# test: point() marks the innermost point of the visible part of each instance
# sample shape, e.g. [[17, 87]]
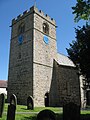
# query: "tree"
[[79, 51], [82, 10]]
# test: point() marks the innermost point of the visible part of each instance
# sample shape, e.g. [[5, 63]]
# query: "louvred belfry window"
[[46, 28], [21, 28]]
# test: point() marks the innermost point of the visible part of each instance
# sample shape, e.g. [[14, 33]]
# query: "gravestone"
[[2, 102], [11, 112], [71, 111], [13, 99], [46, 115], [30, 105], [12, 108]]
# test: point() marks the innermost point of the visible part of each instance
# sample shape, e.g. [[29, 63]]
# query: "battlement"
[[33, 9]]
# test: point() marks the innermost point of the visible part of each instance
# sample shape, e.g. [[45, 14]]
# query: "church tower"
[[32, 50]]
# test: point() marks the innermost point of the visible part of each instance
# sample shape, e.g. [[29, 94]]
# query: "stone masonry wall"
[[31, 58], [42, 80], [20, 74], [32, 69], [65, 87], [43, 55], [83, 95]]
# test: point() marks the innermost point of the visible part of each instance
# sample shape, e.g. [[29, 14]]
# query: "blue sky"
[[60, 10]]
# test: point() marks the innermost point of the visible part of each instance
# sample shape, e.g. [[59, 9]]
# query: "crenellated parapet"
[[33, 9]]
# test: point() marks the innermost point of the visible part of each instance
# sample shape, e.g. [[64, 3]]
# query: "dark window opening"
[[88, 97], [47, 99], [46, 28], [21, 29]]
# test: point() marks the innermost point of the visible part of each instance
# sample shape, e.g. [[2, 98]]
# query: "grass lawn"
[[22, 108], [23, 114]]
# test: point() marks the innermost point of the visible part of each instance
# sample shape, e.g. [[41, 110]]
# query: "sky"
[[60, 10]]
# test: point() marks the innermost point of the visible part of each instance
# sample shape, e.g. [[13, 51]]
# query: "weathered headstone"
[[11, 112], [71, 111], [30, 103], [2, 102], [46, 115], [12, 108], [13, 100]]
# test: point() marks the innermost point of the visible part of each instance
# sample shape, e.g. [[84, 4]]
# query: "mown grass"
[[23, 114], [22, 108], [21, 117]]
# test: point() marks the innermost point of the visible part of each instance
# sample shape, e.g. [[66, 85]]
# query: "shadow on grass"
[[59, 116], [30, 118], [24, 108], [82, 117], [85, 117]]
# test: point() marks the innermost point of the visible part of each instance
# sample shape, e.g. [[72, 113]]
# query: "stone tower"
[[32, 50]]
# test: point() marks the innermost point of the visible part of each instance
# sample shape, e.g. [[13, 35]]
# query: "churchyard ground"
[[23, 114]]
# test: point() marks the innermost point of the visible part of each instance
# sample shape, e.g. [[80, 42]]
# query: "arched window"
[[46, 28], [21, 28]]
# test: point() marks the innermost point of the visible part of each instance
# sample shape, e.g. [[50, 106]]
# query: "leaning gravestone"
[[46, 115], [30, 105], [12, 108], [71, 111], [2, 102]]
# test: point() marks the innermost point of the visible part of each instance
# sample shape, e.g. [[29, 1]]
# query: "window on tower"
[[21, 28], [46, 28]]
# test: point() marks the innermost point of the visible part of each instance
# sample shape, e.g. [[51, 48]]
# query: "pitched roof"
[[64, 60], [3, 84]]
